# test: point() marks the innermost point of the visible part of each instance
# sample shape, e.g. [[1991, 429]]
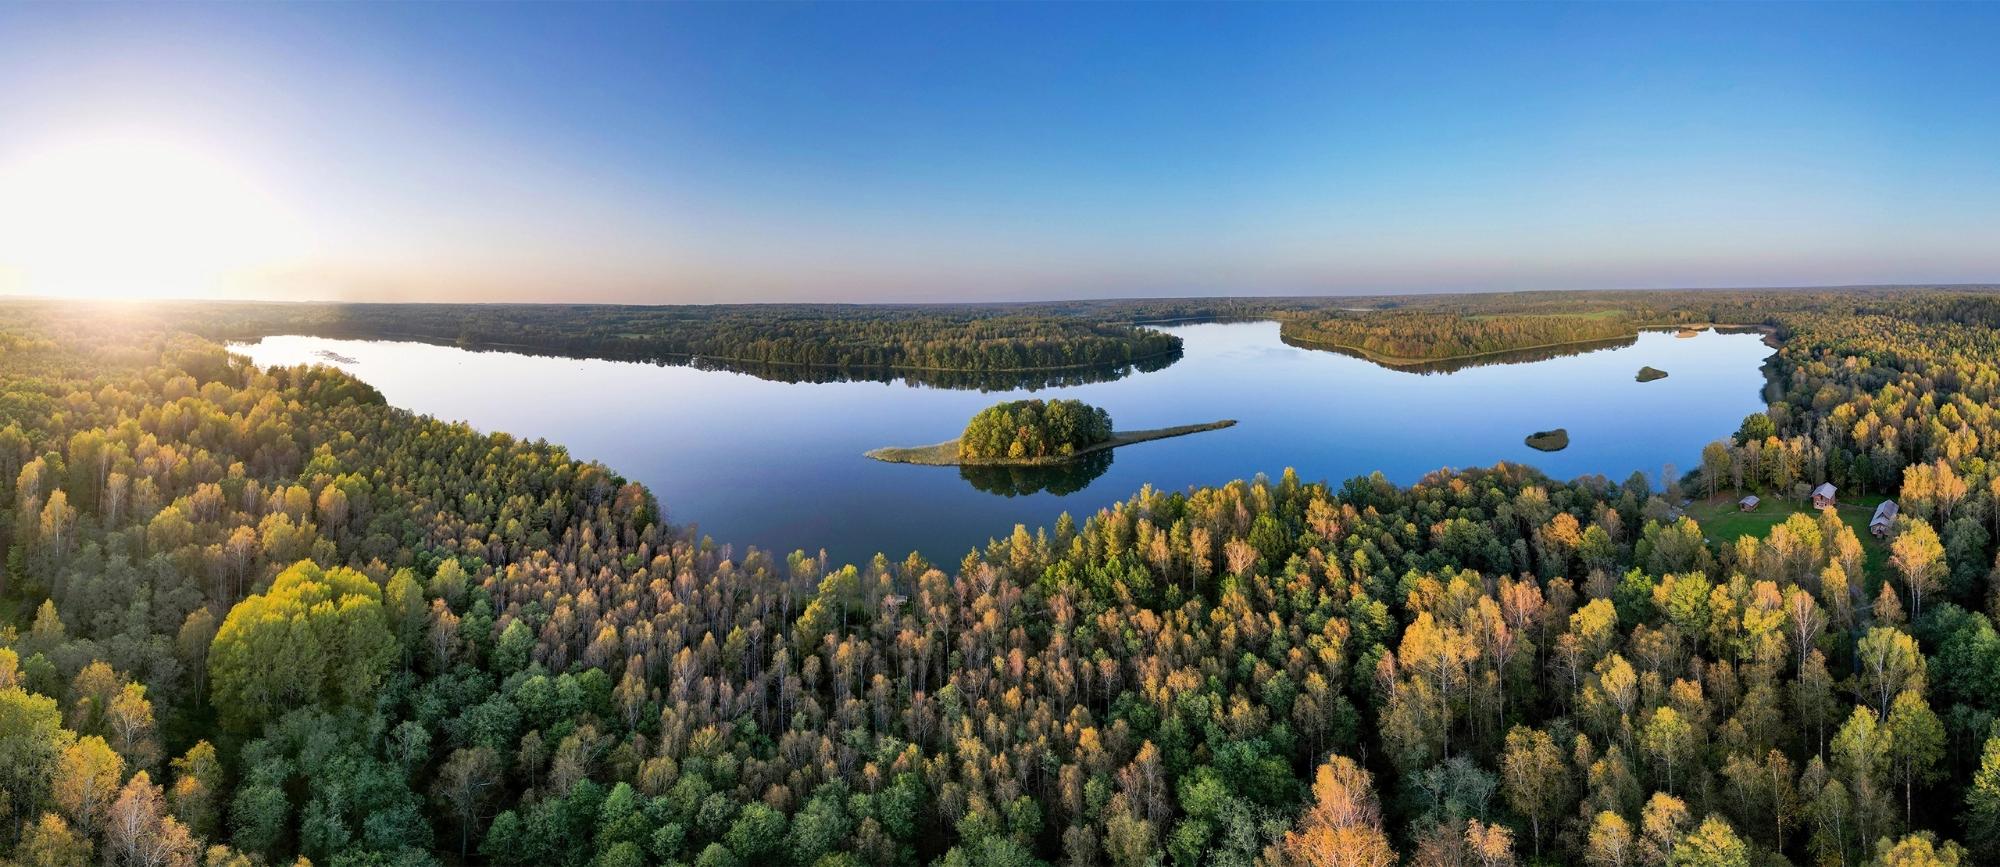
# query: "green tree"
[[316, 637], [717, 855], [1890, 663], [464, 786], [32, 742], [195, 798], [1676, 547], [404, 606], [1670, 741], [822, 826], [757, 835], [1536, 778], [1916, 744], [990, 851], [515, 647], [1982, 800], [1033, 429], [1861, 755], [1715, 461], [191, 645], [1756, 427]]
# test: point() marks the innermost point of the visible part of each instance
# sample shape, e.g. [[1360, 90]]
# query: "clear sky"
[[884, 152]]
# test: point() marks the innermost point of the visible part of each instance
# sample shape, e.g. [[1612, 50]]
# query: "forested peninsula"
[[260, 615], [954, 346], [1430, 332], [1409, 337]]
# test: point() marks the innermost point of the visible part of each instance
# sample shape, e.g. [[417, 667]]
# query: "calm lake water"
[[779, 465]]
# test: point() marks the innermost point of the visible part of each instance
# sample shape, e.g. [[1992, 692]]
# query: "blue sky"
[[861, 152]]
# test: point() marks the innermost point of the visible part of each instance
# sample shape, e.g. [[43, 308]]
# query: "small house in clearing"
[[1823, 496], [1885, 518], [1749, 503]]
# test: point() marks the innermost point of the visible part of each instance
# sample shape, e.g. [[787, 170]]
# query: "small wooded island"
[[1650, 373], [1033, 433], [1549, 440]]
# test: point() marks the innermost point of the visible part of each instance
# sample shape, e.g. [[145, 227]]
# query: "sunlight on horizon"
[[137, 215]]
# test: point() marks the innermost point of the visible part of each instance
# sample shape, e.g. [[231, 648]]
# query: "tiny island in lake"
[[1649, 373], [1033, 433], [1549, 440]]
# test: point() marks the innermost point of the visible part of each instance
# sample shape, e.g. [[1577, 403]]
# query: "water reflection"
[[974, 380], [1060, 479], [780, 465], [968, 380]]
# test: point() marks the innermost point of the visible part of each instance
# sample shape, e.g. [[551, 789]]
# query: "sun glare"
[[135, 217]]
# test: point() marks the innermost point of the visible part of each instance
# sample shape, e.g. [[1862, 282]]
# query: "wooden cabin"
[[1748, 504], [1885, 518], [1823, 496]]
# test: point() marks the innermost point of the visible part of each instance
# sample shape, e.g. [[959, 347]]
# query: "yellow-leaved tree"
[[1342, 827], [316, 637]]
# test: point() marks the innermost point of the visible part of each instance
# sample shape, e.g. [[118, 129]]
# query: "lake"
[[779, 465]]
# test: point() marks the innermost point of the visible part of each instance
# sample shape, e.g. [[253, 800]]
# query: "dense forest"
[[262, 616], [1404, 336], [992, 347], [1020, 429]]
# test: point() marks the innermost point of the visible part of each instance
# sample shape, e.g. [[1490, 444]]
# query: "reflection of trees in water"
[[988, 380], [1058, 479], [979, 380], [1512, 356], [948, 346], [970, 380]]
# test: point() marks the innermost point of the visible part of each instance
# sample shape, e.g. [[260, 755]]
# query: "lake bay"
[[780, 465]]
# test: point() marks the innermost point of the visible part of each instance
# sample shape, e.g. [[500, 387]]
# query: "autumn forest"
[[261, 617]]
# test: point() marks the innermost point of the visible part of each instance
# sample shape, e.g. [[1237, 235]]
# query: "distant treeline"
[[987, 346], [1663, 307], [1407, 331], [1422, 335]]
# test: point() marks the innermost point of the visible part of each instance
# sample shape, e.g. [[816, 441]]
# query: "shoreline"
[[689, 359], [945, 454], [1399, 362]]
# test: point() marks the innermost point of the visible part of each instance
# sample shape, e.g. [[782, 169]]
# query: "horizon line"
[[7, 297]]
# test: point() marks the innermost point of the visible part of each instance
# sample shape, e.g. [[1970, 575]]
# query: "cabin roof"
[[1825, 489], [1885, 512], [1749, 500]]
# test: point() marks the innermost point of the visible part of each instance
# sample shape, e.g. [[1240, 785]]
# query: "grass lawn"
[[1723, 523]]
